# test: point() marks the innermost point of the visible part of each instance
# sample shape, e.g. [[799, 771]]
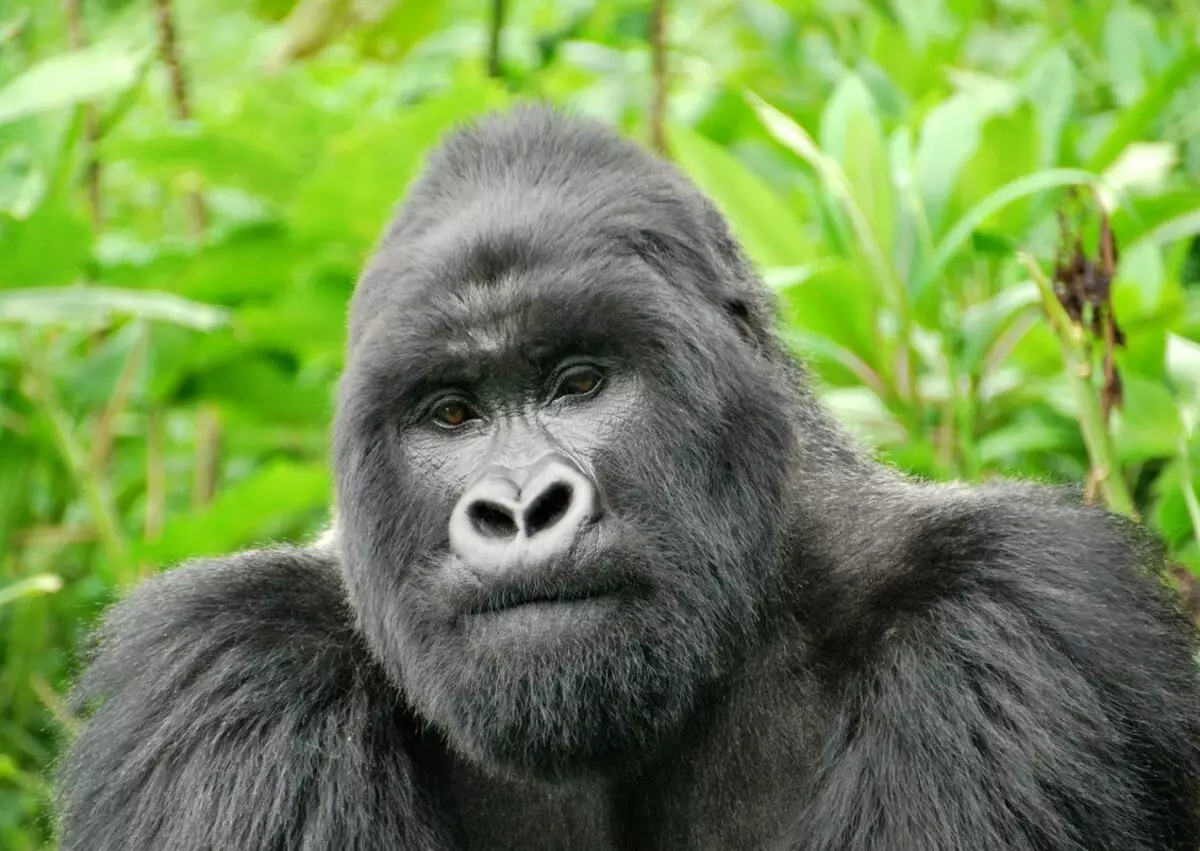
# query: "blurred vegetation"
[[188, 188]]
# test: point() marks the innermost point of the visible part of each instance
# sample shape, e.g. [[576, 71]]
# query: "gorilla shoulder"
[[236, 707]]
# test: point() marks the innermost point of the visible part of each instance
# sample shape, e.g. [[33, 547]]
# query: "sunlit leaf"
[[1148, 424], [852, 135], [42, 583], [957, 236], [69, 78], [89, 306], [1134, 123], [243, 514], [1050, 86], [950, 136], [771, 232]]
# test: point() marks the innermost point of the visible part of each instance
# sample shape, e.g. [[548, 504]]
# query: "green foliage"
[[166, 376]]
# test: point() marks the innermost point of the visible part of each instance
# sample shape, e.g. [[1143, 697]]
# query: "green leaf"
[[1129, 38], [220, 158], [48, 247], [984, 322], [958, 235], [1027, 435], [97, 306], [1050, 87], [243, 514], [394, 27], [1179, 227], [836, 304], [355, 188], [310, 27], [951, 134], [77, 77], [852, 135], [42, 583], [1140, 215], [791, 135], [1136, 122], [1007, 152], [22, 182], [1148, 425], [1183, 366], [771, 232]]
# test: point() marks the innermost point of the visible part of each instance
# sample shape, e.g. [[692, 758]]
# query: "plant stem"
[[91, 486], [496, 31], [1101, 454], [168, 46], [77, 38], [658, 60]]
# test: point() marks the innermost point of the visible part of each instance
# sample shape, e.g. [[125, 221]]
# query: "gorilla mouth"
[[516, 595]]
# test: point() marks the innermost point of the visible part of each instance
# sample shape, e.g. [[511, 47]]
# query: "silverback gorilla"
[[606, 576]]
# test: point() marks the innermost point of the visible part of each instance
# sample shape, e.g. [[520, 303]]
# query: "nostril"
[[550, 506], [491, 520]]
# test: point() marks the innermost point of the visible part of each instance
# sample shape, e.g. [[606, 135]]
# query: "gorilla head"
[[557, 521]]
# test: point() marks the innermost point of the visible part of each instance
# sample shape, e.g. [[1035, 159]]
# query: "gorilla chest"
[[734, 778]]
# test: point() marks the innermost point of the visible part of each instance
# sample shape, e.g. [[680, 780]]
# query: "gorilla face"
[[555, 520]]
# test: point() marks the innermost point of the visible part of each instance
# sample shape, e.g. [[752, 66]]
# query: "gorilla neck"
[[731, 771]]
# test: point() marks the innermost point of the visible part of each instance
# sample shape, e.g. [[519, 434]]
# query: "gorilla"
[[605, 575]]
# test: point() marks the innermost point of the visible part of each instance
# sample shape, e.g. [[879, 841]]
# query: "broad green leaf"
[[49, 247], [69, 78], [923, 20], [1142, 288], [794, 137], [834, 302], [92, 306], [249, 512], [255, 385], [1135, 122], [1129, 37], [1007, 152], [392, 28], [1144, 166], [1050, 87], [1148, 425], [219, 158], [771, 232], [851, 134], [1179, 227], [1029, 434], [355, 188], [983, 322], [950, 136], [1139, 216], [958, 235]]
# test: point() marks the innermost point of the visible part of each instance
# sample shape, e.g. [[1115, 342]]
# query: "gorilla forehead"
[[527, 190]]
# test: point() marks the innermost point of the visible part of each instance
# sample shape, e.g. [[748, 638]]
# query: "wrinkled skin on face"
[[550, 324]]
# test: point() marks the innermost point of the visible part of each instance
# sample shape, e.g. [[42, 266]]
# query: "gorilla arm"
[[239, 712], [1015, 687]]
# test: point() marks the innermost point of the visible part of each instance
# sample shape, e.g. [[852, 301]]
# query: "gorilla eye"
[[452, 413], [578, 381]]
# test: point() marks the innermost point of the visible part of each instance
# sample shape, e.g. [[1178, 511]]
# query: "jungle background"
[[980, 217]]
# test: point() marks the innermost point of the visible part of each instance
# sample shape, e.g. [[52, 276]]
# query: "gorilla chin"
[[579, 670]]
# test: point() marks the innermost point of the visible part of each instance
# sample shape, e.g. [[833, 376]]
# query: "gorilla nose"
[[502, 522]]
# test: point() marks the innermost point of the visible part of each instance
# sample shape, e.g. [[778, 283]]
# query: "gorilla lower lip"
[[547, 600]]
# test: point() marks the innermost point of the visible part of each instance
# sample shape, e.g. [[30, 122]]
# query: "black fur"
[[808, 652]]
